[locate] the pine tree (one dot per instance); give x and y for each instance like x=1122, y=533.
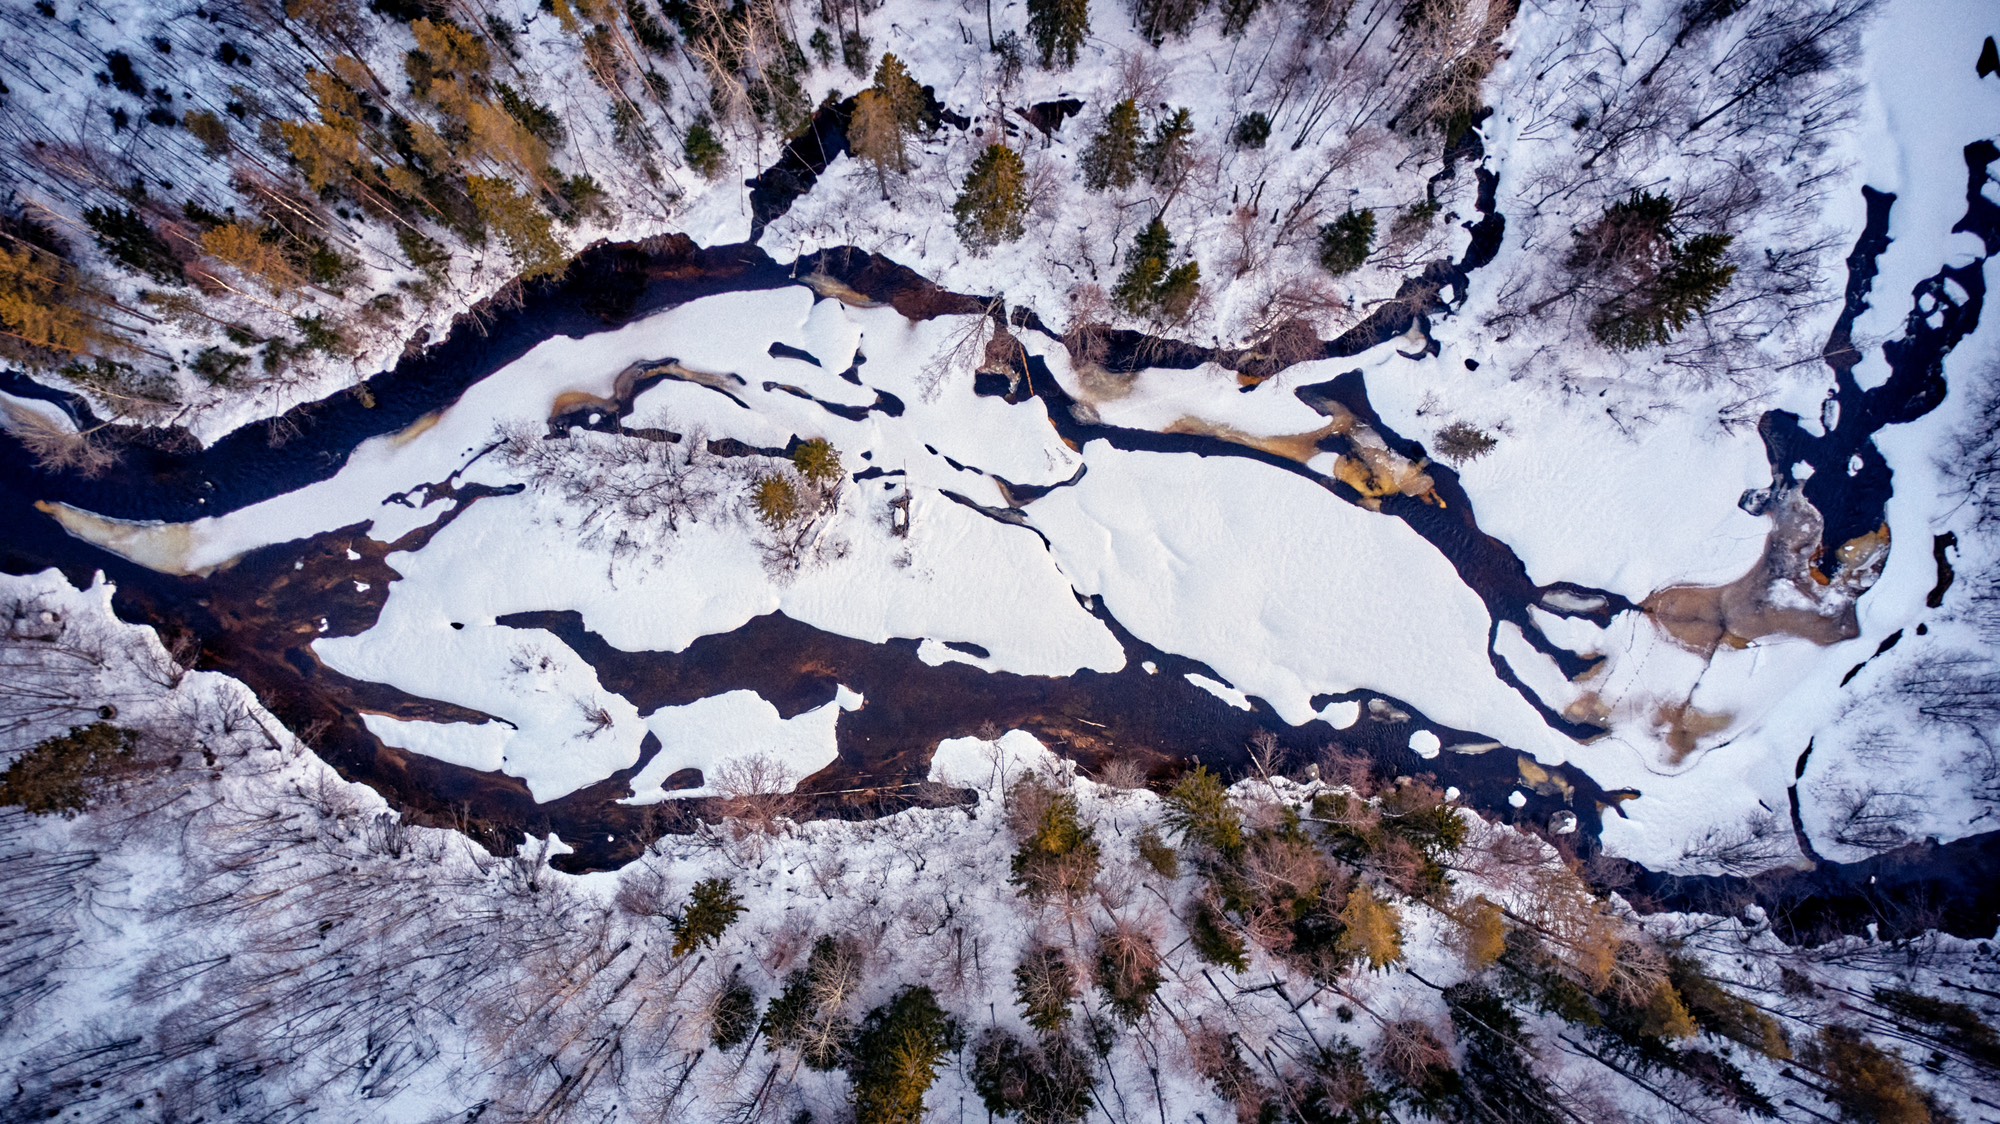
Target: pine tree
x=1112, y=159
x=818, y=461
x=994, y=199
x=901, y=91
x=1345, y=242
x=1166, y=154
x=703, y=149
x=1178, y=290
x=1198, y=805
x=1059, y=27
x=62, y=774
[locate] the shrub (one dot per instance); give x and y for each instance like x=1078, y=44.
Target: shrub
x=1045, y=988
x=1459, y=442
x=1411, y=1053
x=896, y=1054
x=1345, y=242
x=62, y=774
x=712, y=908
x=734, y=1015
x=1157, y=853
x=219, y=366
x=1128, y=970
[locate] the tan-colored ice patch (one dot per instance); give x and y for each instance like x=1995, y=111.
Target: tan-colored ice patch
x=168, y=548
x=1785, y=594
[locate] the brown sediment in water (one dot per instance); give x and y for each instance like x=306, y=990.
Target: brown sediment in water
x=1785, y=593
x=1686, y=724
x=1300, y=447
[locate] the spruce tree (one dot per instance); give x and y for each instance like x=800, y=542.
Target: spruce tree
x=1344, y=243
x=1166, y=153
x=1059, y=28
x=896, y=1055
x=994, y=199
x=1655, y=283
x=712, y=908
x=1145, y=267
x=1112, y=159
x=1177, y=291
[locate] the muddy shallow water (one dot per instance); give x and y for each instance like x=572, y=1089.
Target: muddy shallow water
x=256, y=618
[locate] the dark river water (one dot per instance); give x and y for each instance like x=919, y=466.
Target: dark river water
x=257, y=618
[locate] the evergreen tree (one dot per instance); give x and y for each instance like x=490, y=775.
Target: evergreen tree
x=61, y=775
x=521, y=224
x=703, y=149
x=1166, y=153
x=1237, y=14
x=121, y=233
x=713, y=906
x=1059, y=27
x=901, y=92
x=1112, y=159
x=1198, y=805
x=895, y=1057
x=994, y=199
x=1653, y=282
x=818, y=461
x=1252, y=131
x=1045, y=988
x=1159, y=19
x=1345, y=242
x=1177, y=291
x=735, y=1013
x=1145, y=267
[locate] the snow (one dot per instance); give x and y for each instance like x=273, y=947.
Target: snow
x=737, y=729
x=1279, y=587
x=1425, y=744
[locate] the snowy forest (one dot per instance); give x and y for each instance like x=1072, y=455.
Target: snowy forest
x=1198, y=561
